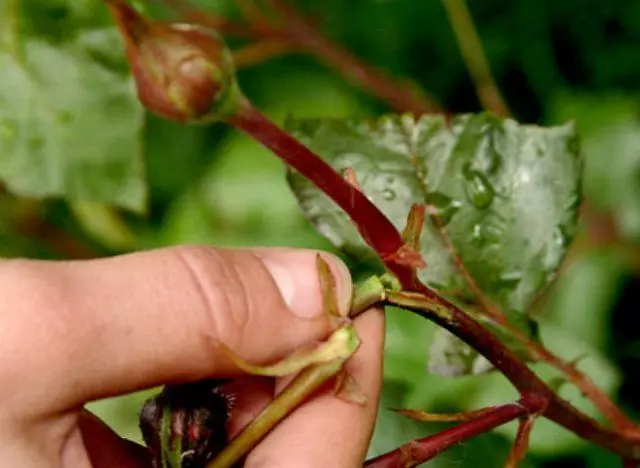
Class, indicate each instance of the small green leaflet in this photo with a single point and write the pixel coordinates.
(508, 195)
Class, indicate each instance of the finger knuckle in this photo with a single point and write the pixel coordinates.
(226, 307)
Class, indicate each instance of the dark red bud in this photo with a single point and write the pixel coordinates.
(182, 72)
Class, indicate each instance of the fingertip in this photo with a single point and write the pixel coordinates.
(296, 276)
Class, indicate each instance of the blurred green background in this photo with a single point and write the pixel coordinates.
(554, 61)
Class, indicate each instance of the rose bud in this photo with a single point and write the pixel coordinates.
(182, 72)
(185, 425)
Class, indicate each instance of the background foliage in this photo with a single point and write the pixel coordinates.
(67, 107)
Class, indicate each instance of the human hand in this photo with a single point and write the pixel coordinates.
(73, 332)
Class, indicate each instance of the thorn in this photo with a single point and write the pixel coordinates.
(340, 346)
(346, 388)
(423, 416)
(575, 361)
(407, 256)
(521, 443)
(349, 174)
(409, 453)
(328, 291)
(412, 233)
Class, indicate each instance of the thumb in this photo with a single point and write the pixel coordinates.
(78, 331)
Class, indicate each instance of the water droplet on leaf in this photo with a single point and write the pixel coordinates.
(478, 189)
(510, 279)
(561, 236)
(540, 147)
(476, 236)
(443, 206)
(487, 232)
(388, 194)
(494, 156)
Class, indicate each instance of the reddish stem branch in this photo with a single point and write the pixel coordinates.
(299, 33)
(423, 416)
(625, 443)
(374, 226)
(422, 450)
(447, 315)
(401, 95)
(538, 351)
(383, 237)
(530, 386)
(257, 52)
(229, 28)
(521, 444)
(595, 394)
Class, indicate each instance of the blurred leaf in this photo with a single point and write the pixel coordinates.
(98, 44)
(69, 127)
(507, 193)
(176, 155)
(405, 346)
(104, 224)
(585, 295)
(121, 413)
(610, 130)
(60, 19)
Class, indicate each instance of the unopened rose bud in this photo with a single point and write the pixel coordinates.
(185, 425)
(182, 72)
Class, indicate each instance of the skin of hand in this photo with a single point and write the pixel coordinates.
(76, 331)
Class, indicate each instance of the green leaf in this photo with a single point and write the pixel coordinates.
(451, 357)
(508, 195)
(406, 335)
(69, 127)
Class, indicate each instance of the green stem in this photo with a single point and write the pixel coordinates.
(9, 26)
(307, 382)
(366, 294)
(371, 292)
(474, 57)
